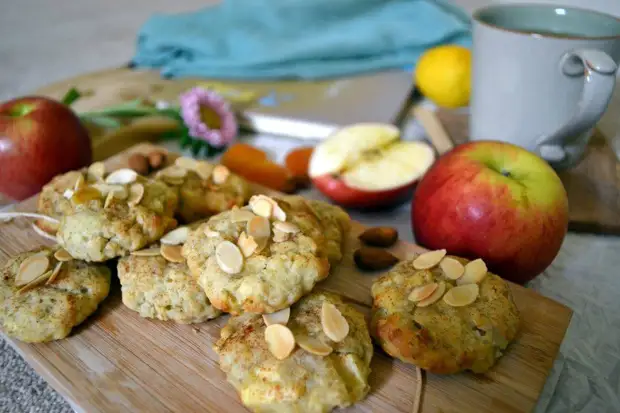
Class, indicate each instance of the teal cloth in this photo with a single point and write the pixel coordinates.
(298, 39)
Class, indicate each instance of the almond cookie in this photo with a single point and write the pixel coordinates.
(204, 189)
(260, 258)
(444, 314)
(294, 365)
(44, 293)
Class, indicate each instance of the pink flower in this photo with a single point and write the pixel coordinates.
(208, 117)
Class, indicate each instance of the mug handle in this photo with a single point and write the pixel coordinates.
(599, 72)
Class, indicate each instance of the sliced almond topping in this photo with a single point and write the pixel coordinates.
(32, 268)
(452, 268)
(186, 163)
(176, 236)
(35, 283)
(229, 257)
(85, 194)
(246, 244)
(68, 193)
(220, 174)
(279, 236)
(335, 326)
(287, 227)
(96, 171)
(262, 208)
(79, 183)
(278, 213)
(174, 172)
(436, 295)
(204, 170)
(241, 215)
(422, 292)
(147, 252)
(210, 233)
(122, 177)
(62, 255)
(136, 193)
(428, 259)
(55, 273)
(280, 340)
(172, 253)
(261, 244)
(462, 295)
(475, 271)
(259, 227)
(313, 346)
(108, 200)
(279, 317)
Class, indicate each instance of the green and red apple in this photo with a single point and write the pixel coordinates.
(39, 139)
(495, 201)
(367, 165)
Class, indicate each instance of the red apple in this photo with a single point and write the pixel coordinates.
(39, 139)
(367, 165)
(495, 201)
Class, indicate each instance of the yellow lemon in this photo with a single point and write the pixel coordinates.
(443, 75)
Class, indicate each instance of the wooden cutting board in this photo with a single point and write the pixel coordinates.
(593, 186)
(117, 361)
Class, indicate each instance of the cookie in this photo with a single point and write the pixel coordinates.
(261, 258)
(420, 317)
(42, 298)
(161, 289)
(297, 367)
(204, 189)
(111, 218)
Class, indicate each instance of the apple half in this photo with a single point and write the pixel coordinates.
(366, 165)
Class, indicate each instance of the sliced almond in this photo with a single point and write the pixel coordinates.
(422, 292)
(262, 208)
(186, 163)
(172, 253)
(136, 193)
(229, 257)
(261, 244)
(62, 255)
(475, 271)
(462, 295)
(122, 176)
(96, 171)
(259, 227)
(204, 170)
(55, 273)
(31, 269)
(428, 259)
(241, 215)
(79, 183)
(280, 340)
(85, 195)
(313, 346)
(278, 213)
(335, 326)
(176, 236)
(108, 200)
(246, 244)
(220, 174)
(35, 283)
(279, 236)
(67, 180)
(147, 252)
(174, 172)
(434, 297)
(210, 233)
(279, 317)
(452, 268)
(286, 227)
(68, 193)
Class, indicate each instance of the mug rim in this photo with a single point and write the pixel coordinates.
(476, 17)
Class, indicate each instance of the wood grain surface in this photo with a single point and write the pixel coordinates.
(117, 361)
(593, 186)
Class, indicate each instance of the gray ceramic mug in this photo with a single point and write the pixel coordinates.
(542, 76)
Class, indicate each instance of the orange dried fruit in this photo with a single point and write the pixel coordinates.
(297, 162)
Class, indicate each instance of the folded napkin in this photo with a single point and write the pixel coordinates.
(302, 39)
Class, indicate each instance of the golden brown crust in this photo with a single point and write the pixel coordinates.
(303, 382)
(439, 338)
(271, 279)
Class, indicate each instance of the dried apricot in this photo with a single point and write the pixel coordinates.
(297, 162)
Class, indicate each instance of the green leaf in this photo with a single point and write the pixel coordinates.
(71, 96)
(103, 121)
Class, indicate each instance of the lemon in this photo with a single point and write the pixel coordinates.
(443, 75)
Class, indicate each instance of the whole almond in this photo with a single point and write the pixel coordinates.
(156, 159)
(373, 259)
(139, 163)
(379, 237)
